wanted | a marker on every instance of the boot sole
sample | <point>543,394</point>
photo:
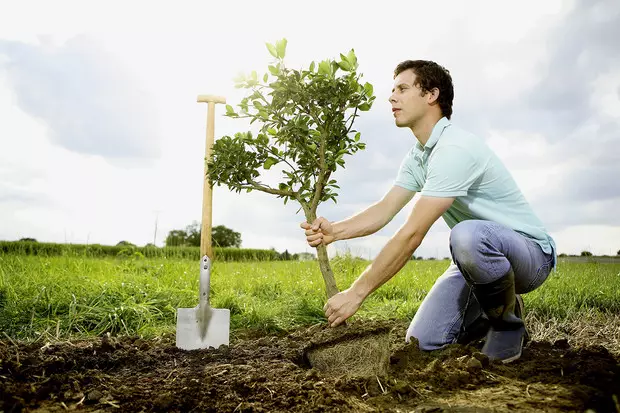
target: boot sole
<point>516,356</point>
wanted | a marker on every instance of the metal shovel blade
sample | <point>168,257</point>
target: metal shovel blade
<point>189,335</point>
<point>202,326</point>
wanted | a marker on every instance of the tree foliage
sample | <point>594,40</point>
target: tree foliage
<point>221,236</point>
<point>306,119</point>
<point>305,123</point>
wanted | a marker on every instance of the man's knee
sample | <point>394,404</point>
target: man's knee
<point>427,339</point>
<point>465,240</point>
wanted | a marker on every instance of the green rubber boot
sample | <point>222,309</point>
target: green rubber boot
<point>504,340</point>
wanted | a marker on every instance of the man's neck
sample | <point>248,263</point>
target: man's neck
<point>422,130</point>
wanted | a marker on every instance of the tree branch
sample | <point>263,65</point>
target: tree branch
<point>285,121</point>
<point>351,125</point>
<point>255,185</point>
<point>287,162</point>
<point>320,182</point>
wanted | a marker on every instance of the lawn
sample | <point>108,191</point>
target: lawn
<point>71,297</point>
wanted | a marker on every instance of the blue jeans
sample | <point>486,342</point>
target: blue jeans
<point>482,252</point>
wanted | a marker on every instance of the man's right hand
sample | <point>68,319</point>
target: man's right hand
<point>319,232</point>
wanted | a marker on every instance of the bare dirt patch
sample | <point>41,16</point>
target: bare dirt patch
<point>274,374</point>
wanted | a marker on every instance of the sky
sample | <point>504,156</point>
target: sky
<point>102,138</point>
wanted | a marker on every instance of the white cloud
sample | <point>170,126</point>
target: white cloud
<point>496,53</point>
<point>606,94</point>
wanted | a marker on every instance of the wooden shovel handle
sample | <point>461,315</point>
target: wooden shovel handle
<point>207,189</point>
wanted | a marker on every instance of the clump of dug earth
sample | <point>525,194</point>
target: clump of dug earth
<point>365,367</point>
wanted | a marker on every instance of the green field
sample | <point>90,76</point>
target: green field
<point>71,297</point>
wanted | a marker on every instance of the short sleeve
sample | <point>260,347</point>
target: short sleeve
<point>451,172</point>
<point>406,177</point>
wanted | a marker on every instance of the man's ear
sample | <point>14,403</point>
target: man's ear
<point>433,95</point>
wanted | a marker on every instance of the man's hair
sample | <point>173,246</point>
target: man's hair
<point>430,75</point>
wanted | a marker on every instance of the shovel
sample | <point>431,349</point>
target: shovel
<point>202,326</point>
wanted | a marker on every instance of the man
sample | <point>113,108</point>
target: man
<point>499,247</point>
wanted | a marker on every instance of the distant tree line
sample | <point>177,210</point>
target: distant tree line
<point>221,236</point>
<point>224,237</point>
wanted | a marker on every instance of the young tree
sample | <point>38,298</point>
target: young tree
<point>306,128</point>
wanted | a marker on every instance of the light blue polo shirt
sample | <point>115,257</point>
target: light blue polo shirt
<point>456,163</point>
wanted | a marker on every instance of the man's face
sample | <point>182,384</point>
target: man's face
<point>408,103</point>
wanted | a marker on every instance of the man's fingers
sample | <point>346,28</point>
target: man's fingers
<point>332,318</point>
<point>328,311</point>
<point>316,243</point>
<point>316,225</point>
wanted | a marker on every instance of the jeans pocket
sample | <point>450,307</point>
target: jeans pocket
<point>542,273</point>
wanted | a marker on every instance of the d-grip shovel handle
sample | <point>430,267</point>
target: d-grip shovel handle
<point>205,281</point>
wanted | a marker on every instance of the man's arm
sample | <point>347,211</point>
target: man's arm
<point>375,217</point>
<point>390,260</point>
<point>367,222</point>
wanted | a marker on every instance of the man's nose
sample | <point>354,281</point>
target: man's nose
<point>391,99</point>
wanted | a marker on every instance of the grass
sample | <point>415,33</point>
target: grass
<point>69,297</point>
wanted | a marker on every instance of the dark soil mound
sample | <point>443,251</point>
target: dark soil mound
<point>275,374</point>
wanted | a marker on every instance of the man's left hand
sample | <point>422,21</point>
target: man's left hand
<point>342,306</point>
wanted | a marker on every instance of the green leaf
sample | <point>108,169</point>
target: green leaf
<point>274,70</point>
<point>368,88</point>
<point>281,48</point>
<point>344,65</point>
<point>270,162</point>
<point>312,67</point>
<point>229,109</point>
<point>254,75</point>
<point>358,135</point>
<point>351,58</point>
<point>364,107</point>
<point>325,68</point>
<point>240,78</point>
<point>272,131</point>
<point>272,50</point>
<point>265,78</point>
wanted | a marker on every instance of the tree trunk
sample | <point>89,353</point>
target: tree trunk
<point>328,276</point>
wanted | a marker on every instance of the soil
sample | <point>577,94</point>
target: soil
<point>273,373</point>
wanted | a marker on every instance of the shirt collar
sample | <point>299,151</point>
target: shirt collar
<point>435,134</point>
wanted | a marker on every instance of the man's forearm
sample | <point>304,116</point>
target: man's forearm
<point>367,222</point>
<point>390,260</point>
